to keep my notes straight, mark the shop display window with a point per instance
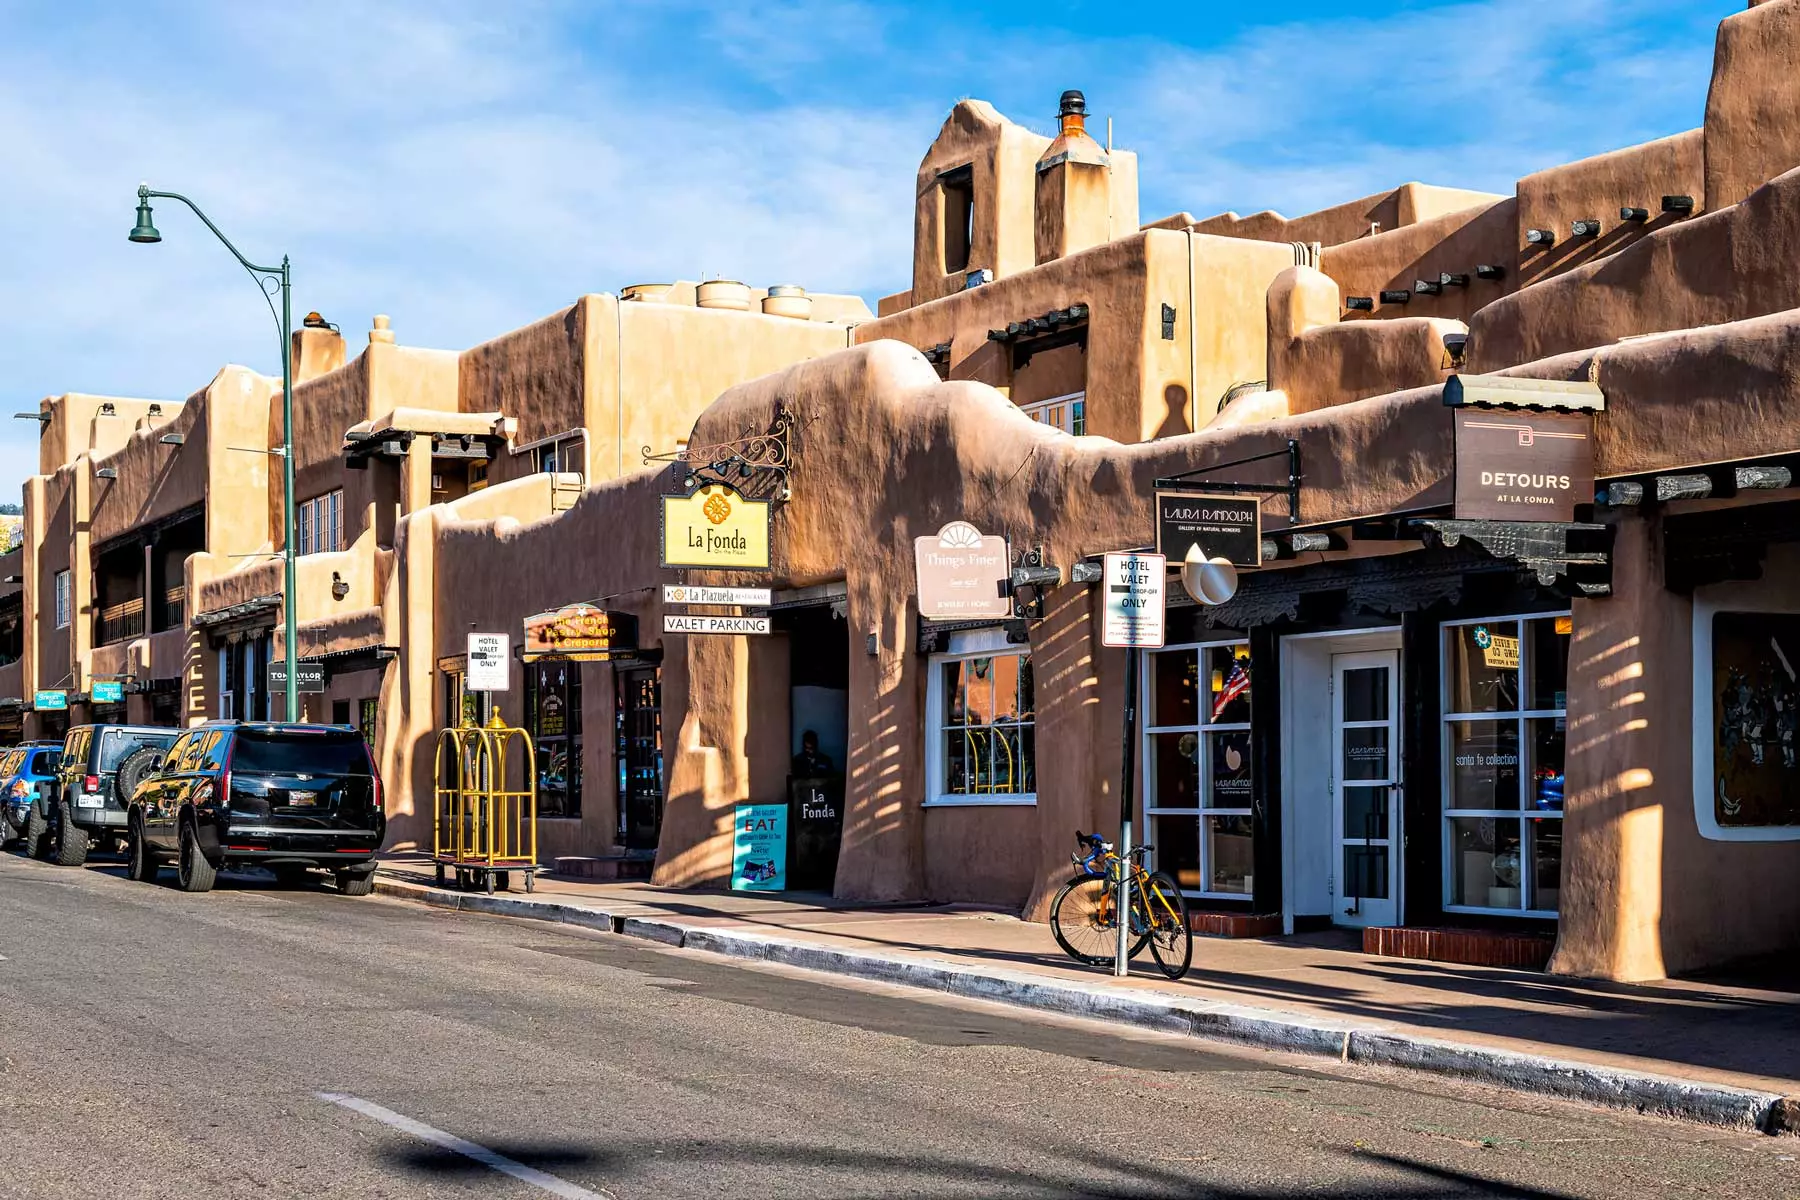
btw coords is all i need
(1505, 723)
(984, 728)
(1198, 778)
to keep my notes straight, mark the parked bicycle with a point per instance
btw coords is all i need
(1084, 915)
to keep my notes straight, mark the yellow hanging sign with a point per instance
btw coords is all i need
(715, 527)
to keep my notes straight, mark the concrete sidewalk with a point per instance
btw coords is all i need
(1715, 1052)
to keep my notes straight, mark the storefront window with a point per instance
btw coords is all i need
(1751, 789)
(1503, 763)
(984, 728)
(553, 719)
(1197, 767)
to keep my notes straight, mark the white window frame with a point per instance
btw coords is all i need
(977, 643)
(65, 603)
(556, 445)
(1043, 412)
(1446, 768)
(1146, 756)
(320, 524)
(1708, 603)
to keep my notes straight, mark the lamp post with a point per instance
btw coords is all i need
(266, 278)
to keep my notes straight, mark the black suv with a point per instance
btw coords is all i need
(87, 804)
(286, 797)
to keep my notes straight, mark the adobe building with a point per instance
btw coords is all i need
(1471, 729)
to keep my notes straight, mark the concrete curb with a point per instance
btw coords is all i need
(1662, 1095)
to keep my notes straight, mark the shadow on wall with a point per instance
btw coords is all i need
(1177, 420)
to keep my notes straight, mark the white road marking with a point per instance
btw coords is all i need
(481, 1154)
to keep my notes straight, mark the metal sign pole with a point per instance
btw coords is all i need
(1127, 772)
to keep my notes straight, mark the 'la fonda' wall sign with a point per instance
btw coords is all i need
(715, 527)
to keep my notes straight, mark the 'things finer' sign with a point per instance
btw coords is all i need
(1521, 466)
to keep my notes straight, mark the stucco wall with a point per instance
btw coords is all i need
(1754, 87)
(1455, 243)
(1408, 204)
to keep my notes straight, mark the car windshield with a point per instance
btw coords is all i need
(116, 745)
(294, 752)
(45, 762)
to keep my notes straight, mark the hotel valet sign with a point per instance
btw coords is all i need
(1522, 466)
(715, 527)
(1228, 527)
(580, 633)
(960, 571)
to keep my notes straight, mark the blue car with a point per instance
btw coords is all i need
(22, 770)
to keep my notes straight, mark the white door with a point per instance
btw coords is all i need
(1365, 731)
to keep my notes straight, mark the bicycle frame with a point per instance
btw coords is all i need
(1110, 864)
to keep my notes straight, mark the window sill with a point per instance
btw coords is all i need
(1533, 914)
(1024, 801)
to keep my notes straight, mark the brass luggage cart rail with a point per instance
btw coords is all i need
(483, 826)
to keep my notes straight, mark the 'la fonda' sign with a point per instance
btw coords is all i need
(715, 527)
(960, 570)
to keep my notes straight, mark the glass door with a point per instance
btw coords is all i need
(639, 709)
(1365, 721)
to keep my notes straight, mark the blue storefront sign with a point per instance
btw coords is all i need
(759, 848)
(48, 701)
(108, 691)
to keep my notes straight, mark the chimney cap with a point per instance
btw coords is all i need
(314, 321)
(1073, 102)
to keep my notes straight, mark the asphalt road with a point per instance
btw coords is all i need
(266, 1043)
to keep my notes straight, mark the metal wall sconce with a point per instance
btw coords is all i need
(1446, 279)
(1428, 287)
(1678, 204)
(339, 589)
(1637, 216)
(1485, 271)
(1586, 227)
(1396, 297)
(1541, 238)
(109, 409)
(1360, 303)
(42, 418)
(107, 473)
(172, 439)
(155, 410)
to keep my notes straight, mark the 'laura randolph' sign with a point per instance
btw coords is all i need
(579, 632)
(715, 527)
(1519, 466)
(959, 573)
(1228, 527)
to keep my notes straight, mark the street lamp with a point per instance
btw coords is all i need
(266, 278)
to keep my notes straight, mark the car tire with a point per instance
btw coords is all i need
(72, 842)
(141, 866)
(356, 883)
(37, 832)
(193, 872)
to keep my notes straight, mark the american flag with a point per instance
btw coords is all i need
(1236, 684)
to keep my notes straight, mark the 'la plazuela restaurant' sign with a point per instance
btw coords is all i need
(579, 632)
(715, 527)
(959, 573)
(1522, 466)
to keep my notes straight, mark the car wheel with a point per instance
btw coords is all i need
(71, 840)
(356, 883)
(193, 872)
(37, 833)
(290, 877)
(142, 866)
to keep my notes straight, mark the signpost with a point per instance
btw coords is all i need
(488, 670)
(107, 691)
(747, 597)
(681, 623)
(308, 677)
(1136, 601)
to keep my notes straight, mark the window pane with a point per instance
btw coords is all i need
(1230, 855)
(1174, 688)
(1484, 862)
(1175, 771)
(1027, 689)
(1547, 740)
(1078, 421)
(1546, 864)
(1365, 873)
(1366, 753)
(1484, 764)
(1005, 672)
(978, 687)
(1366, 813)
(1229, 784)
(956, 710)
(1549, 661)
(1228, 678)
(1177, 842)
(1366, 694)
(958, 767)
(1482, 672)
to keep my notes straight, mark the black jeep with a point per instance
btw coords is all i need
(101, 766)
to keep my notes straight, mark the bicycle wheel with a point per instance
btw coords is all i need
(1166, 915)
(1084, 919)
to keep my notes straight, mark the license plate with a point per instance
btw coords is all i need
(303, 799)
(90, 802)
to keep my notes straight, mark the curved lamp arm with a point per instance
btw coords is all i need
(264, 276)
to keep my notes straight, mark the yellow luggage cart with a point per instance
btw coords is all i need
(484, 813)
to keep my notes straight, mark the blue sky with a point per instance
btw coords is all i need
(467, 167)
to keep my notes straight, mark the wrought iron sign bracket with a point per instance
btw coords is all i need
(1291, 489)
(741, 463)
(1575, 557)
